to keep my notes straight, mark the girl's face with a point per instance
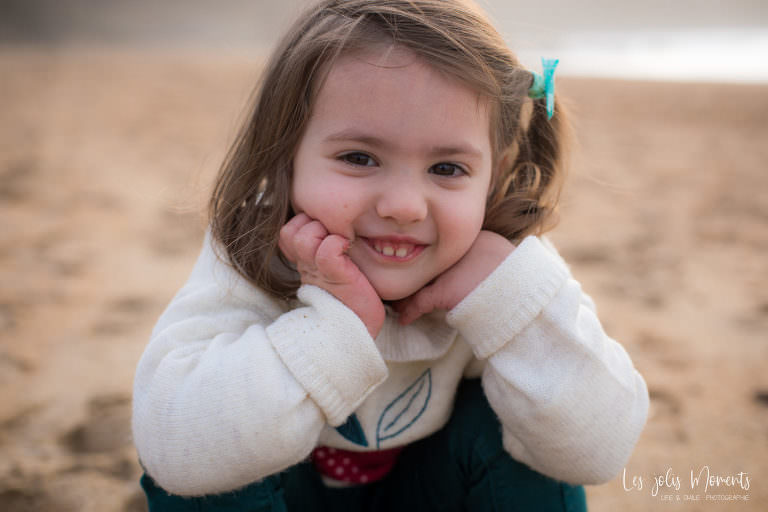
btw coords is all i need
(397, 158)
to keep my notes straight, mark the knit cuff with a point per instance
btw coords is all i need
(330, 353)
(510, 298)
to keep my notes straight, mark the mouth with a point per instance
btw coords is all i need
(395, 250)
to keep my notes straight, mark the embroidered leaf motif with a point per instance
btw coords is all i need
(404, 410)
(352, 431)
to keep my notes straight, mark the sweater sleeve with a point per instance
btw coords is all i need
(570, 401)
(231, 388)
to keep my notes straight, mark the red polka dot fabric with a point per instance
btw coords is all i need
(354, 467)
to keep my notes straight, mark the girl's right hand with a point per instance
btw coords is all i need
(321, 260)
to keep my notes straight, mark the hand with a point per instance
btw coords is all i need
(449, 288)
(321, 260)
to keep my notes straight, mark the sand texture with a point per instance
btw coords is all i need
(105, 162)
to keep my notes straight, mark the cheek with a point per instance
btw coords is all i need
(460, 226)
(324, 202)
(465, 217)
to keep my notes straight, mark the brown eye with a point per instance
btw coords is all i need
(359, 159)
(447, 170)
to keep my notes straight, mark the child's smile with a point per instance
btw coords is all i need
(395, 249)
(397, 158)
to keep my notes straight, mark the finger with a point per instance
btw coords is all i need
(406, 309)
(307, 240)
(420, 303)
(331, 258)
(287, 234)
(399, 305)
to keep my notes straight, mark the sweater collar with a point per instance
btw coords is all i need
(429, 337)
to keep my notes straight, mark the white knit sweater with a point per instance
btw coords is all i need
(235, 386)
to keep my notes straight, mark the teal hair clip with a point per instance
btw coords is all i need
(544, 85)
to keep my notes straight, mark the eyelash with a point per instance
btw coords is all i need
(348, 158)
(454, 167)
(357, 155)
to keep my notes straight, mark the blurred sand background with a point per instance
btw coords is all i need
(106, 156)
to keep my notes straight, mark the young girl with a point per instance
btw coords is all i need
(373, 323)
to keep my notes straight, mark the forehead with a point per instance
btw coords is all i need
(386, 64)
(394, 92)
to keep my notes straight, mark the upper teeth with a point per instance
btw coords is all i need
(387, 249)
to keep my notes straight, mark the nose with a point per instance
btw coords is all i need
(402, 200)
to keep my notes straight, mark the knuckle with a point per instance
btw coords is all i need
(286, 231)
(305, 246)
(300, 240)
(316, 228)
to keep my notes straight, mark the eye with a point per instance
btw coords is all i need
(358, 159)
(447, 170)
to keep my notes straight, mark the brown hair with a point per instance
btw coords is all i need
(250, 201)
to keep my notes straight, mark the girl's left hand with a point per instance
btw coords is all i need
(449, 288)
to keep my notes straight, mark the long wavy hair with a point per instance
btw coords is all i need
(251, 197)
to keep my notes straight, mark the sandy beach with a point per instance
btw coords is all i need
(106, 158)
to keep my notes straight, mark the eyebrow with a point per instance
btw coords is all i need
(374, 141)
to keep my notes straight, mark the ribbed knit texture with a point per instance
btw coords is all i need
(510, 298)
(315, 343)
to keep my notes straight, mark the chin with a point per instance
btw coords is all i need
(391, 296)
(389, 293)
